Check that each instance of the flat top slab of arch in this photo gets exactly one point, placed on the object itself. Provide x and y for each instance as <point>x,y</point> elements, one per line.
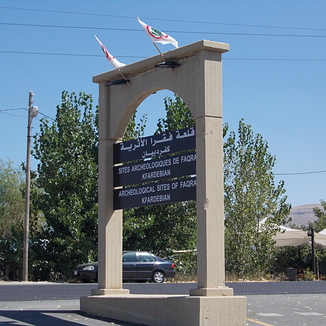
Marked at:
<point>149,63</point>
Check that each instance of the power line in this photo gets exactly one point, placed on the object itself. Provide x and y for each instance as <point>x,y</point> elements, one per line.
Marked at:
<point>46,116</point>
<point>298,173</point>
<point>71,27</point>
<point>169,31</point>
<point>273,59</point>
<point>143,57</point>
<point>5,111</point>
<point>67,54</point>
<point>53,53</point>
<point>163,19</point>
<point>13,109</point>
<point>14,115</point>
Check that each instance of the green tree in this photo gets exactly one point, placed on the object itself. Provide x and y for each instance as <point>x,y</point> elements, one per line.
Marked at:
<point>11,199</point>
<point>67,174</point>
<point>320,213</point>
<point>11,218</point>
<point>135,130</point>
<point>251,197</point>
<point>178,115</point>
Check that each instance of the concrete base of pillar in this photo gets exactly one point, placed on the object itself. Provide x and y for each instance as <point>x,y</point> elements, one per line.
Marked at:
<point>220,291</point>
<point>163,310</point>
<point>109,291</point>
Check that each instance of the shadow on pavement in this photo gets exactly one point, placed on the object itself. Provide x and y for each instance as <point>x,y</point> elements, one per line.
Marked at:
<point>54,318</point>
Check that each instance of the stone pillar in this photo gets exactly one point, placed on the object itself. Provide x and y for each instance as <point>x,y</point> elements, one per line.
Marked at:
<point>109,220</point>
<point>210,194</point>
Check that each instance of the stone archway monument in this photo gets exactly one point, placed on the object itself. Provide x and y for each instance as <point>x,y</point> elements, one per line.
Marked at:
<point>197,79</point>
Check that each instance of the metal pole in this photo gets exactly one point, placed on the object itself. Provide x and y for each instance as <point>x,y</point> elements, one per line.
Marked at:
<point>313,250</point>
<point>27,190</point>
<point>311,233</point>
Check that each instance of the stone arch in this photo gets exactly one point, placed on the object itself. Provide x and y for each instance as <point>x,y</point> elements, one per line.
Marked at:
<point>132,107</point>
<point>129,98</point>
<point>198,82</point>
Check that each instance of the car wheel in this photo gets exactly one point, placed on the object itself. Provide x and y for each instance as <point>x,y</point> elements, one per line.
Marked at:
<point>158,277</point>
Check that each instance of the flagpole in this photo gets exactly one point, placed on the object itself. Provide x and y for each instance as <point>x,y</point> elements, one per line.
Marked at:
<point>159,51</point>
<point>123,76</point>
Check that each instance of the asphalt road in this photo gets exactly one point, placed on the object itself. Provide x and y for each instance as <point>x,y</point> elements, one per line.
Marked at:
<point>268,303</point>
<point>30,291</point>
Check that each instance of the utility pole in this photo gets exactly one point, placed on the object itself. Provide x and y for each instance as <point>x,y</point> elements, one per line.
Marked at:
<point>311,233</point>
<point>32,113</point>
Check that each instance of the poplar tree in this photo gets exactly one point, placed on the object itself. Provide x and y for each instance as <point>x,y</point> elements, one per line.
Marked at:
<point>255,206</point>
<point>11,198</point>
<point>11,220</point>
<point>66,149</point>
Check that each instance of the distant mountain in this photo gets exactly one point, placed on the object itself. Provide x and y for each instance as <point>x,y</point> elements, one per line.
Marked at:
<point>303,214</point>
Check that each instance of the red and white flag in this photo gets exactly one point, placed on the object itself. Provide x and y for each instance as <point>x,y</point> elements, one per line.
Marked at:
<point>157,36</point>
<point>114,62</point>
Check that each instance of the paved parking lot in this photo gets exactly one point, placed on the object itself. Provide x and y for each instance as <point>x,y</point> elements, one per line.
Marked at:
<point>286,310</point>
<point>268,310</point>
<point>268,304</point>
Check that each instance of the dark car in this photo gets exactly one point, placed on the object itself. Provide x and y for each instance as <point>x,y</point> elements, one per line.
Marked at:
<point>136,266</point>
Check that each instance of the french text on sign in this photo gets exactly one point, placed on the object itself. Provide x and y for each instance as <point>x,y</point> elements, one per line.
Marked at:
<point>168,167</point>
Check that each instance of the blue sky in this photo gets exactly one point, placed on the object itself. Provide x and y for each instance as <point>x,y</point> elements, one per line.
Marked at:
<point>274,76</point>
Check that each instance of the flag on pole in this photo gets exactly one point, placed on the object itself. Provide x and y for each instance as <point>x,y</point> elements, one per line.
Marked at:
<point>157,36</point>
<point>114,62</point>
